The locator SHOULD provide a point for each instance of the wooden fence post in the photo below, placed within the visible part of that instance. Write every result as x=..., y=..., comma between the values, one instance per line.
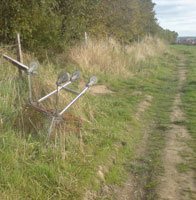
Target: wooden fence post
x=19, y=55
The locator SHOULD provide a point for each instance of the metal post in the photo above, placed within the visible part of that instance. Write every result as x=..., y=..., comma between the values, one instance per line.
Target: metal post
x=73, y=101
x=57, y=101
x=30, y=88
x=92, y=81
x=53, y=92
x=32, y=70
x=51, y=126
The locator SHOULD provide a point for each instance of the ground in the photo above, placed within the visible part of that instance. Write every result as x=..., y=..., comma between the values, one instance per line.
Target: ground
x=136, y=141
x=165, y=173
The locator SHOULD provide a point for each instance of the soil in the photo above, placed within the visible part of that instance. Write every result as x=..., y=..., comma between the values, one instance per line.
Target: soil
x=100, y=89
x=97, y=89
x=143, y=106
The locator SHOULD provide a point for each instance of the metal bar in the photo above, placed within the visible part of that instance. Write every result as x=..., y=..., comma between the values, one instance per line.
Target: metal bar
x=51, y=126
x=49, y=113
x=71, y=90
x=16, y=63
x=30, y=88
x=73, y=101
x=53, y=92
x=57, y=101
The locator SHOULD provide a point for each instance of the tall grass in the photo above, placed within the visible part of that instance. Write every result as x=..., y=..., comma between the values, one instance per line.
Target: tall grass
x=100, y=56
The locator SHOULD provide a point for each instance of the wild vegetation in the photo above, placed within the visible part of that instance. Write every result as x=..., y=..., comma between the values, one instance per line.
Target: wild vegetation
x=53, y=25
x=110, y=57
x=88, y=161
x=81, y=162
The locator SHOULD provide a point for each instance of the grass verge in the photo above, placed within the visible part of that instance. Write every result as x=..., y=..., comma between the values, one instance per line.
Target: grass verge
x=84, y=160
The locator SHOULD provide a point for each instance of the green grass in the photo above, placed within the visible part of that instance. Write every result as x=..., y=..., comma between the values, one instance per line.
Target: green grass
x=30, y=169
x=149, y=166
x=163, y=87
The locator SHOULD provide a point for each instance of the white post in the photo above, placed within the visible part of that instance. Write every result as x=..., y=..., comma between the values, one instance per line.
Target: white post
x=85, y=39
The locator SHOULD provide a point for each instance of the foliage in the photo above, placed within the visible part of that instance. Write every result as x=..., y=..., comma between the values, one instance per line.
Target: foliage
x=53, y=24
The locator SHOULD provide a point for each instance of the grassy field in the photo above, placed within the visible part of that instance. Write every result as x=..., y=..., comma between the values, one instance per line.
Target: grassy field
x=86, y=163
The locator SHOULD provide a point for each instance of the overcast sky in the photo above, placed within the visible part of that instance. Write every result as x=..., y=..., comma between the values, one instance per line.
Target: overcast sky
x=177, y=15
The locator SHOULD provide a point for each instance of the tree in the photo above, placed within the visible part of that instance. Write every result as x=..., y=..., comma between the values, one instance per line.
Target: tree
x=34, y=19
x=52, y=24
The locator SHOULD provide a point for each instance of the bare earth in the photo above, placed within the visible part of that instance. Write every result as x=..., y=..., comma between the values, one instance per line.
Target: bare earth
x=176, y=185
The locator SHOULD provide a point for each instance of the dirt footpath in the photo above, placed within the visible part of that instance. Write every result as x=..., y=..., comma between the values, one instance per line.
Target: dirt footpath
x=177, y=184
x=131, y=190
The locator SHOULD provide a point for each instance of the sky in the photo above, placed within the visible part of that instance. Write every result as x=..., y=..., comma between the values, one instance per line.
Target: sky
x=177, y=15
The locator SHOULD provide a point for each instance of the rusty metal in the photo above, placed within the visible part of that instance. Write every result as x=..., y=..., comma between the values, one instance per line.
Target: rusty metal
x=41, y=109
x=51, y=113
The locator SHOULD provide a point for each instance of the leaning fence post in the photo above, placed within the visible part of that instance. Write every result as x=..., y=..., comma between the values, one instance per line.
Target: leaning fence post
x=19, y=55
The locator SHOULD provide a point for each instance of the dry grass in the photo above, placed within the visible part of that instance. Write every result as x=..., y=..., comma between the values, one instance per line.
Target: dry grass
x=111, y=57
x=148, y=47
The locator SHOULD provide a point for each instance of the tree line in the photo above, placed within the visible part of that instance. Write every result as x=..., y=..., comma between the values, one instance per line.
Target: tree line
x=52, y=24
